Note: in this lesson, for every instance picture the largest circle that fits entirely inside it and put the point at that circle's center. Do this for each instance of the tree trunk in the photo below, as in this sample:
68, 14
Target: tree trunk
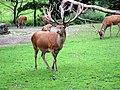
34, 17
34, 13
15, 8
18, 12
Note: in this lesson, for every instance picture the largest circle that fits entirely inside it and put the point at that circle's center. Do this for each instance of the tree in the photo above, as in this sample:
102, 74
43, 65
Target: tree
14, 5
114, 4
34, 6
14, 10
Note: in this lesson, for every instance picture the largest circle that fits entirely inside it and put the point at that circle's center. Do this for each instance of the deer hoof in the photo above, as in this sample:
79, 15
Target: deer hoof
48, 68
52, 69
35, 69
57, 72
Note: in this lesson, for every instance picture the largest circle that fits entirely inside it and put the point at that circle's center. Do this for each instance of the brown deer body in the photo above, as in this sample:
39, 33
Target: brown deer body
108, 22
48, 42
21, 21
46, 27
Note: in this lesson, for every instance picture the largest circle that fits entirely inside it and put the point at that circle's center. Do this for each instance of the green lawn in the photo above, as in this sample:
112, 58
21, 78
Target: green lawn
84, 63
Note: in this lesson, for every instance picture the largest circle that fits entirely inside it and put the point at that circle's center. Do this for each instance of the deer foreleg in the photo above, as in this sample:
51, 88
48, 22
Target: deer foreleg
54, 62
43, 57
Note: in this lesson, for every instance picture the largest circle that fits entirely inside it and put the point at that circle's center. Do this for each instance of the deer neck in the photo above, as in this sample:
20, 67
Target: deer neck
63, 32
61, 38
103, 28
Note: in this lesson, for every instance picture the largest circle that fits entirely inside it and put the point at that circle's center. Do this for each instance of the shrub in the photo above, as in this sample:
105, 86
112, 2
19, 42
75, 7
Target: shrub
92, 15
29, 22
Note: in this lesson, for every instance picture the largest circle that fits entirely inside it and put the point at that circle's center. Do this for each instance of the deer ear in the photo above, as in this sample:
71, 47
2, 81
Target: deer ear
97, 31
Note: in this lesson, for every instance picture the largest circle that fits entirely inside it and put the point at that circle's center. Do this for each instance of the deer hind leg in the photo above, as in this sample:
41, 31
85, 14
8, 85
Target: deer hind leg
54, 54
17, 25
118, 29
21, 25
43, 57
24, 24
111, 31
35, 55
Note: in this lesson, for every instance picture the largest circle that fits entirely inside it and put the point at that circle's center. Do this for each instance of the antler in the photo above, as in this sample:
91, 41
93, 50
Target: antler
63, 8
80, 10
48, 15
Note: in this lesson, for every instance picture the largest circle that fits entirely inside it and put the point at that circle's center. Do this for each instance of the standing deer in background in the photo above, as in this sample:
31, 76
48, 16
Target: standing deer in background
52, 41
46, 27
108, 22
21, 21
44, 19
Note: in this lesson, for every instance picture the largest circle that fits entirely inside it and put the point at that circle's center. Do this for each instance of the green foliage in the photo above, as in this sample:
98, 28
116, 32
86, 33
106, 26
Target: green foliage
4, 14
28, 5
111, 4
94, 15
85, 63
23, 8
39, 21
78, 22
91, 15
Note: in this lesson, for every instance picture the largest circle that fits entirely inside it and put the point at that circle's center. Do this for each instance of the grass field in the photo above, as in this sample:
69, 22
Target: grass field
84, 63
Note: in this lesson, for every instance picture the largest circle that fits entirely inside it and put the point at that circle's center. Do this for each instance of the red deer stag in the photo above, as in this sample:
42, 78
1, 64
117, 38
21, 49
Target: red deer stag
46, 27
108, 22
52, 41
21, 22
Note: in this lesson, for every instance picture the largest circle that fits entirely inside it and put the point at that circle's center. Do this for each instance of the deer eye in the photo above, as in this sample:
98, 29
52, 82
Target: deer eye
60, 33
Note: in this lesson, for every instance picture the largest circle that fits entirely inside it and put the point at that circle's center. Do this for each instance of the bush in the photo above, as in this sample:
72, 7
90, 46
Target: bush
39, 21
30, 23
92, 15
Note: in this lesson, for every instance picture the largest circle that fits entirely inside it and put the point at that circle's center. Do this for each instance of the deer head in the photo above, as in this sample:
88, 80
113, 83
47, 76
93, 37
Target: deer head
101, 33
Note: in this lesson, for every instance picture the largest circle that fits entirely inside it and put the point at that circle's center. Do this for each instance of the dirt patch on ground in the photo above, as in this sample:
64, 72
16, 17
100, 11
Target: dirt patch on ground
23, 36
17, 36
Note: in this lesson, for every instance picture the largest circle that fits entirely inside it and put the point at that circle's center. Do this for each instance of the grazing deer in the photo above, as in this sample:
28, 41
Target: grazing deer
52, 41
108, 22
46, 27
21, 21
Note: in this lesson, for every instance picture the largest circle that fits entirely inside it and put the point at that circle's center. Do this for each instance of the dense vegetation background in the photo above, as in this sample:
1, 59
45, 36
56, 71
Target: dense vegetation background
12, 9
